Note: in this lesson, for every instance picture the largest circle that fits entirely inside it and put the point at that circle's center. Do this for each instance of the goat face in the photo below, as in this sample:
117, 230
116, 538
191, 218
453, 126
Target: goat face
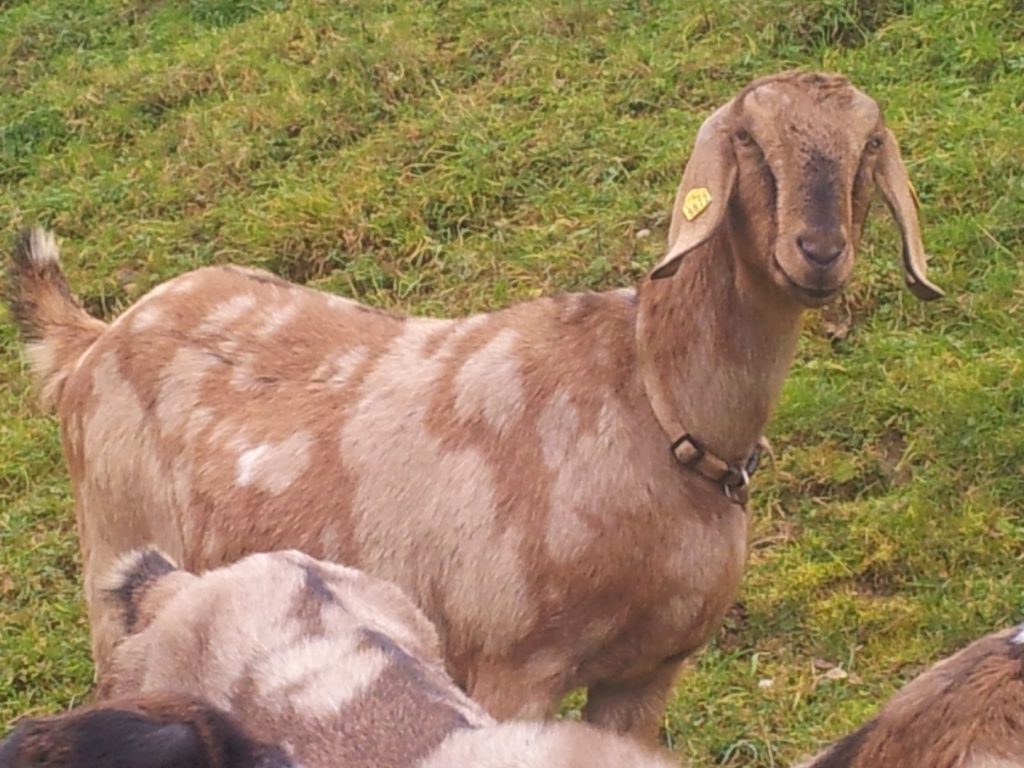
791, 163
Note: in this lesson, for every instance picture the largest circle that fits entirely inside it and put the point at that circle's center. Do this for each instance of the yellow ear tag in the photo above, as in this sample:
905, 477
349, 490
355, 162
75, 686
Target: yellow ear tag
696, 200
913, 194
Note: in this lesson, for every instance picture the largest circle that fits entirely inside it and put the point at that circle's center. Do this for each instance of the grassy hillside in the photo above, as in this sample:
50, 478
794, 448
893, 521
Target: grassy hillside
446, 157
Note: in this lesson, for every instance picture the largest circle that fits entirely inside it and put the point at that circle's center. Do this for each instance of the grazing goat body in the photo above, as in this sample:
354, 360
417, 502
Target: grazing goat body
339, 666
156, 730
517, 473
967, 711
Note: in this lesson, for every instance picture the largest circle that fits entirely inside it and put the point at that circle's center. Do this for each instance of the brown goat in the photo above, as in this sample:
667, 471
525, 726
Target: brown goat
156, 730
337, 665
967, 711
560, 486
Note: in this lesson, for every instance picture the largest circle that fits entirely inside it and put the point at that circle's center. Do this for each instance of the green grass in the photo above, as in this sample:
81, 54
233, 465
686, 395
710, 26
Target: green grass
446, 157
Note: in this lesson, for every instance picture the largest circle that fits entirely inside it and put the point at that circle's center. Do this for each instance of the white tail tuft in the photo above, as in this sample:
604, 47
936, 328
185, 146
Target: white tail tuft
43, 249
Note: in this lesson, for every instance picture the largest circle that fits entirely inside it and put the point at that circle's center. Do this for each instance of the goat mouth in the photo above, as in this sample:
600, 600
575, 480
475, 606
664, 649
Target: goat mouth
812, 296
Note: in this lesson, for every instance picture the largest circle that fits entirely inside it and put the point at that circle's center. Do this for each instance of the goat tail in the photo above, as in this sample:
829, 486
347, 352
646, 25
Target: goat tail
55, 327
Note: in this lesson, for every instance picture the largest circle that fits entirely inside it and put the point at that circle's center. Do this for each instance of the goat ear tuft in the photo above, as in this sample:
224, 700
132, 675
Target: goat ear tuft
892, 181
131, 578
703, 195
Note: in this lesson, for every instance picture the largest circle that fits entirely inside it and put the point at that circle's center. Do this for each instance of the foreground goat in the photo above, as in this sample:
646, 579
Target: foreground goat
338, 665
160, 730
967, 711
560, 486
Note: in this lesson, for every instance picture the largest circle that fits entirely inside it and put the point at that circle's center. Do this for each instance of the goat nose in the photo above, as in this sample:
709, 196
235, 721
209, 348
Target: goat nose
821, 248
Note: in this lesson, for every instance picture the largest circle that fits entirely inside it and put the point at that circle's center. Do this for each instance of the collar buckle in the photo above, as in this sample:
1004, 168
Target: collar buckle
733, 478
739, 491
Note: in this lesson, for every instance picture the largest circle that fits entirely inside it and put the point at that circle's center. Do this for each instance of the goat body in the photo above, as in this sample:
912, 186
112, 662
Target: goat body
966, 711
339, 668
511, 471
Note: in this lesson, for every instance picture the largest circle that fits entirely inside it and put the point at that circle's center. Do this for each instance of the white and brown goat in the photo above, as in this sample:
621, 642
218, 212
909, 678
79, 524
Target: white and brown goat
967, 711
560, 485
338, 667
155, 730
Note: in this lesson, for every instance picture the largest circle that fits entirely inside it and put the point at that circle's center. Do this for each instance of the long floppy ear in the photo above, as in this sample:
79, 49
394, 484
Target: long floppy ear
102, 737
703, 195
891, 180
109, 736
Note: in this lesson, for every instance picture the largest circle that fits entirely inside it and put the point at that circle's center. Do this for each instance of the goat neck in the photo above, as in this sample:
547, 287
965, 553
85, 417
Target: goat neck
714, 344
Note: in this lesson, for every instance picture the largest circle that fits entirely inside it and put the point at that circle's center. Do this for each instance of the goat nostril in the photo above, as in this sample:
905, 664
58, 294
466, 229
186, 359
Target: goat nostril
821, 250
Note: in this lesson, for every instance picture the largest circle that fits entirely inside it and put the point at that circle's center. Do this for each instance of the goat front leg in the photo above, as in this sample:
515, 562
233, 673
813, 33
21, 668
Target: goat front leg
633, 708
516, 692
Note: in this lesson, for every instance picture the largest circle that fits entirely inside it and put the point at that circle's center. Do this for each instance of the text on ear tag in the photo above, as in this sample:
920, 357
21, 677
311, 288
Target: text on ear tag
696, 200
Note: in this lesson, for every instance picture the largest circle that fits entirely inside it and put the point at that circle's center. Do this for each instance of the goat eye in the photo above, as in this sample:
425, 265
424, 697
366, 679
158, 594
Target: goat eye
743, 136
875, 143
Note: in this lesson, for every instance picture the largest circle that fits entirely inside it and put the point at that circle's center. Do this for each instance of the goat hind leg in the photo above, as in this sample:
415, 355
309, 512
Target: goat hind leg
106, 626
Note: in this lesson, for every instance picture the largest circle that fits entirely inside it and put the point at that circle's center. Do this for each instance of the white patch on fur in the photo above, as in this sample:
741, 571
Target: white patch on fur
118, 420
489, 382
227, 312
319, 675
336, 370
559, 425
277, 318
176, 286
461, 330
451, 547
579, 491
179, 406
273, 467
334, 301
145, 316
